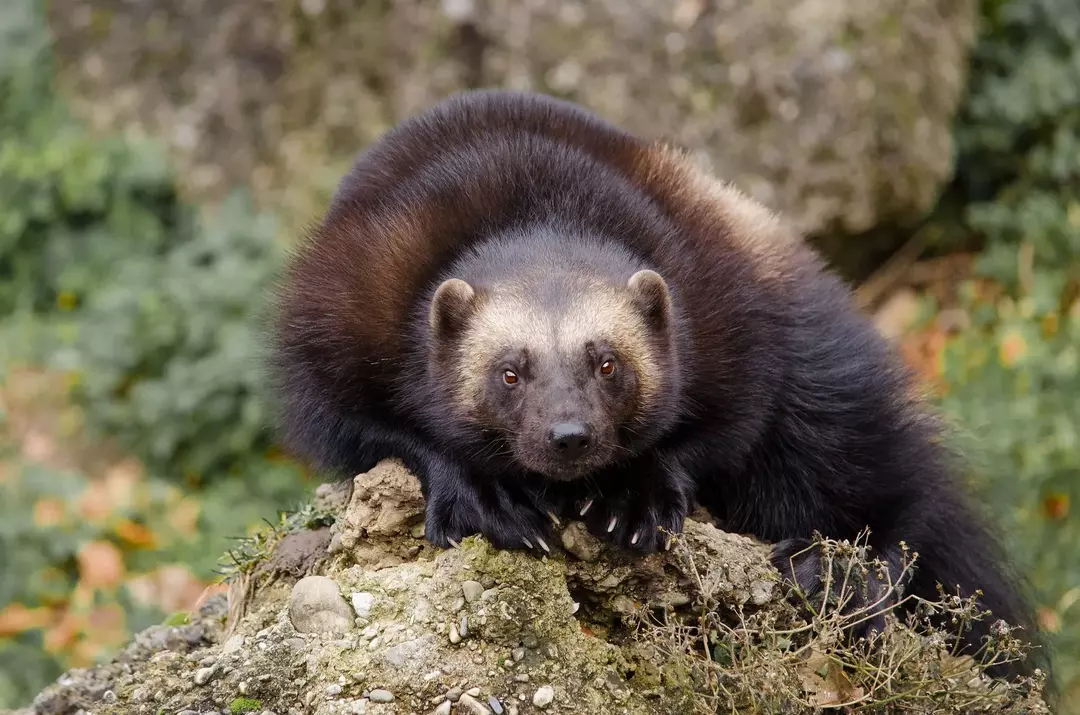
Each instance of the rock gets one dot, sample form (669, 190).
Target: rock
(204, 675)
(362, 603)
(838, 113)
(455, 636)
(443, 708)
(472, 706)
(385, 501)
(496, 706)
(578, 541)
(472, 590)
(406, 652)
(543, 696)
(463, 627)
(234, 644)
(317, 606)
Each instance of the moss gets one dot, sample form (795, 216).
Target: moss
(244, 705)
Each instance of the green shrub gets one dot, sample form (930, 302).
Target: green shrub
(149, 307)
(1013, 373)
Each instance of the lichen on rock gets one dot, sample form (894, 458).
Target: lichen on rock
(385, 623)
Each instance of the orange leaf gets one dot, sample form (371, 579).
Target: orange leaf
(1013, 348)
(135, 534)
(101, 565)
(17, 618)
(1056, 506)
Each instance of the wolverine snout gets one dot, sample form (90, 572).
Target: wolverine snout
(570, 440)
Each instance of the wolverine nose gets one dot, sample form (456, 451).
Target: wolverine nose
(570, 439)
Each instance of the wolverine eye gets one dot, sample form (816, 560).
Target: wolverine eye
(607, 368)
(510, 377)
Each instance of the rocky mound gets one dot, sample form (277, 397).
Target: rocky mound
(837, 114)
(363, 616)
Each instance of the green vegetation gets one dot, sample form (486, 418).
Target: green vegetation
(244, 705)
(1011, 371)
(143, 307)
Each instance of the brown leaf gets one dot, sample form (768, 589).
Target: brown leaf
(101, 565)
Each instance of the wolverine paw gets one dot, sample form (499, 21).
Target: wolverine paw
(642, 524)
(864, 604)
(508, 521)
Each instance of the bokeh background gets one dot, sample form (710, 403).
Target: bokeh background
(156, 158)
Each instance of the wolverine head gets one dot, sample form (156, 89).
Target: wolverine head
(559, 366)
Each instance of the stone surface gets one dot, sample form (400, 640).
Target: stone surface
(836, 113)
(403, 662)
(317, 606)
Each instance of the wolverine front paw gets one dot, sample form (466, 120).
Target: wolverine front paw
(508, 521)
(636, 523)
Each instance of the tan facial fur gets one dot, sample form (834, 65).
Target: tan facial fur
(507, 319)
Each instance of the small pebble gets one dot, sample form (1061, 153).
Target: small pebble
(463, 629)
(362, 602)
(455, 637)
(521, 678)
(518, 654)
(489, 594)
(381, 696)
(458, 604)
(108, 697)
(543, 696)
(475, 692)
(443, 709)
(204, 675)
(242, 687)
(234, 644)
(472, 590)
(472, 705)
(496, 706)
(333, 690)
(453, 694)
(530, 641)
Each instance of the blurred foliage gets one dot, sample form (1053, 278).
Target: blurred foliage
(1010, 369)
(145, 309)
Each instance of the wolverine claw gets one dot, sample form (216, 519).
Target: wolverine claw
(453, 543)
(611, 524)
(635, 537)
(527, 542)
(584, 509)
(543, 544)
(554, 519)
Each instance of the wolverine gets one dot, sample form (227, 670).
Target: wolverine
(545, 317)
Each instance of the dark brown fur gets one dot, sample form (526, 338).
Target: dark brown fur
(783, 410)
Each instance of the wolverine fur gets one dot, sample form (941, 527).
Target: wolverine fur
(752, 384)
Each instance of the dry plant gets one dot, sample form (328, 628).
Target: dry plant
(809, 654)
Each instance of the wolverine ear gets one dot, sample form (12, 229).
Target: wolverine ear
(451, 305)
(651, 295)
